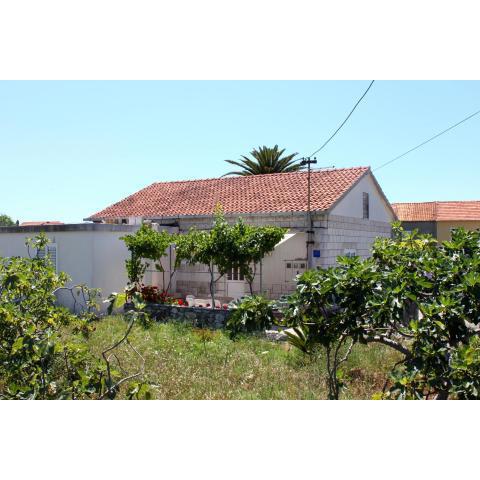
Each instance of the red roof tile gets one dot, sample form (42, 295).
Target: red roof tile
(280, 192)
(437, 211)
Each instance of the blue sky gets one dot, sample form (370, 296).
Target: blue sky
(69, 149)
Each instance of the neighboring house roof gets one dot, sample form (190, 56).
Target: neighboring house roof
(272, 193)
(437, 211)
(36, 224)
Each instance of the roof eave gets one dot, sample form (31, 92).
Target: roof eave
(209, 215)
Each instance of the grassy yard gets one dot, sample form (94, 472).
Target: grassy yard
(185, 363)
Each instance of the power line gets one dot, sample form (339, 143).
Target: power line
(345, 121)
(426, 141)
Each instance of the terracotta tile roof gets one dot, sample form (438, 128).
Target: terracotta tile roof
(437, 211)
(280, 192)
(36, 224)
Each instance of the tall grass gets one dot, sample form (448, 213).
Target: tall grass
(187, 363)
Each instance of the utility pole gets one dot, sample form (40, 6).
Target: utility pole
(308, 161)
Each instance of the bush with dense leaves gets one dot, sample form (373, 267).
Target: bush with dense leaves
(35, 361)
(414, 295)
(252, 313)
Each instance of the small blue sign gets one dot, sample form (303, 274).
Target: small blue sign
(316, 254)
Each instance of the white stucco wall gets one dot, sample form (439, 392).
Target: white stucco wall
(352, 204)
(95, 258)
(276, 278)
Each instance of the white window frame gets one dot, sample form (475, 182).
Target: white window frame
(235, 272)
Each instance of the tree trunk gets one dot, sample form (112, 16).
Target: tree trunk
(212, 285)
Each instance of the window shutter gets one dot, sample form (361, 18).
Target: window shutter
(51, 252)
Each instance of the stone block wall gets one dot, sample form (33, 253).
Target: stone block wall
(196, 317)
(296, 221)
(336, 235)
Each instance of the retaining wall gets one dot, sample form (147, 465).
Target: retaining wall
(197, 317)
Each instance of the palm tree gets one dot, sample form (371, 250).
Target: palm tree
(266, 160)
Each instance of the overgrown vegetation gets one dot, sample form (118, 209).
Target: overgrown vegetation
(415, 296)
(403, 324)
(188, 363)
(36, 360)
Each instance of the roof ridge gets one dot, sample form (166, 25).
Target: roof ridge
(236, 177)
(414, 203)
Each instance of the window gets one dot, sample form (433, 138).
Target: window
(235, 275)
(124, 221)
(350, 252)
(366, 205)
(51, 252)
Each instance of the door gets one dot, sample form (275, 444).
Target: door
(236, 285)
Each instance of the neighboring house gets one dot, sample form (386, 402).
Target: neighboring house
(439, 218)
(348, 211)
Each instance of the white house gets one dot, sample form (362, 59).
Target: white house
(348, 210)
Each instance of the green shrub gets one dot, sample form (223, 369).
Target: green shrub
(413, 295)
(253, 313)
(35, 362)
(145, 243)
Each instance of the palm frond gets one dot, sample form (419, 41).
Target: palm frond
(266, 160)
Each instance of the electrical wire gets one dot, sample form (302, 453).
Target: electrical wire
(345, 121)
(426, 141)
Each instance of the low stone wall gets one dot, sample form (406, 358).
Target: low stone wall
(197, 317)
